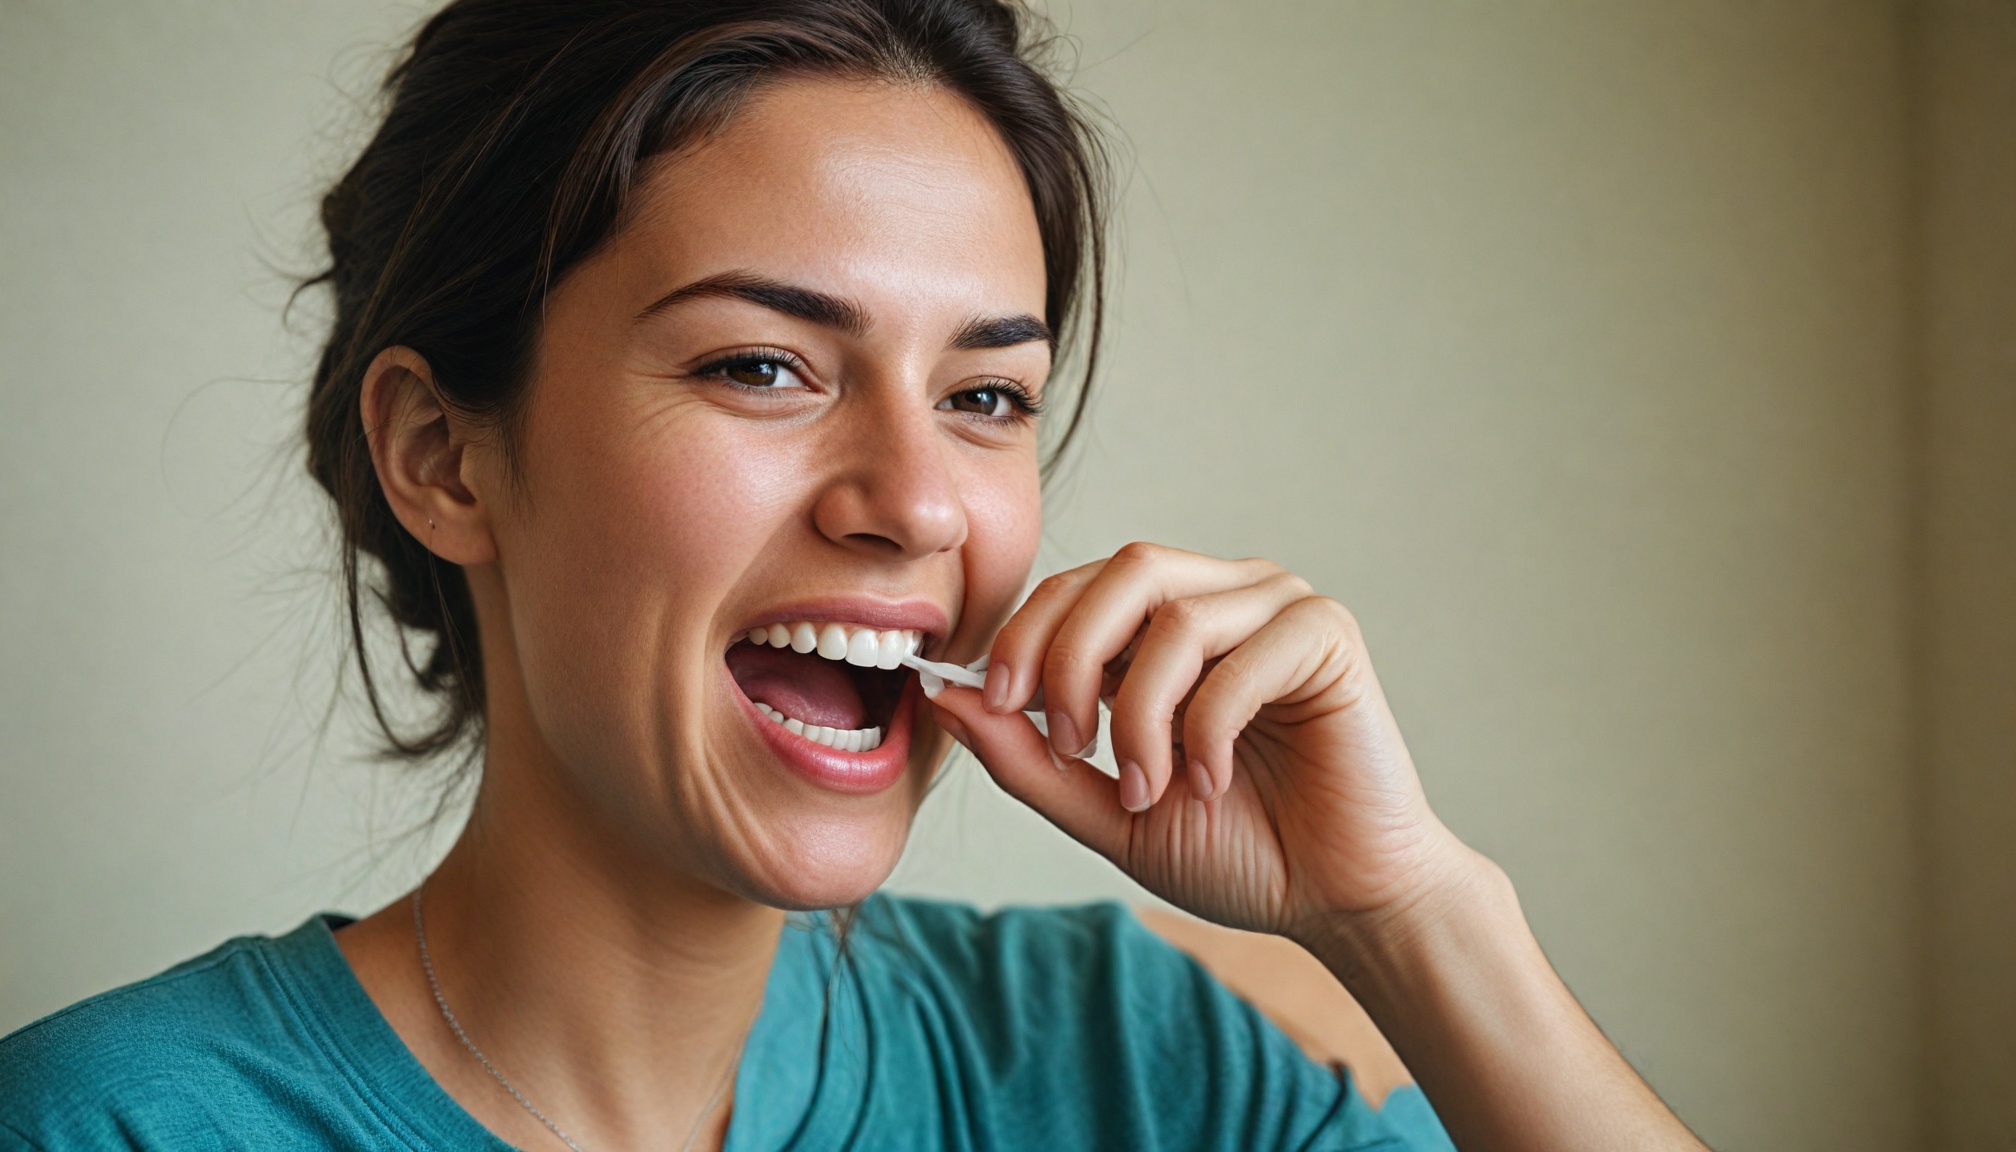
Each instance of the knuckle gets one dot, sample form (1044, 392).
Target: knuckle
(1011, 645)
(1263, 568)
(1290, 584)
(1016, 629)
(1139, 554)
(1054, 586)
(1068, 662)
(1324, 610)
(1142, 712)
(1181, 617)
(1204, 722)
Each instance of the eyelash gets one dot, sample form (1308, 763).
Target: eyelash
(1026, 406)
(749, 358)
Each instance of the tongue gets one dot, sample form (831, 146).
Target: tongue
(803, 686)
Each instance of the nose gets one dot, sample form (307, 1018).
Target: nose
(895, 495)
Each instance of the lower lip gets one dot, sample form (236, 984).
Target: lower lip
(857, 773)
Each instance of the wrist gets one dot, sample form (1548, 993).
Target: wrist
(1452, 976)
(1465, 904)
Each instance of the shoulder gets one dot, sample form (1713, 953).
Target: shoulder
(1104, 1029)
(134, 1034)
(1295, 991)
(1084, 977)
(154, 1063)
(962, 942)
(1026, 962)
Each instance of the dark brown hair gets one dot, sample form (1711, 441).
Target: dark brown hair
(513, 137)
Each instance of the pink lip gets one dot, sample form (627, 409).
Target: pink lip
(858, 773)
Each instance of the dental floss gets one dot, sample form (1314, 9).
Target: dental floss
(973, 677)
(932, 676)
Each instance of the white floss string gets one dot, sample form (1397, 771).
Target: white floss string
(933, 676)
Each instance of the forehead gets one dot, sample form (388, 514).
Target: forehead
(902, 196)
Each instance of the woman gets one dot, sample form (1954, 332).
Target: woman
(685, 379)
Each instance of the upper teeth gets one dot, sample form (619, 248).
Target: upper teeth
(863, 647)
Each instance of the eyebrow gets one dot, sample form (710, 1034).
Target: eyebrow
(1003, 332)
(838, 312)
(790, 299)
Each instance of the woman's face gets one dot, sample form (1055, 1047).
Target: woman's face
(788, 397)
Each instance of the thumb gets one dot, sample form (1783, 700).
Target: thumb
(1078, 798)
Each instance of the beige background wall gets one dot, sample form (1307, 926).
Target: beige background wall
(1967, 53)
(1573, 345)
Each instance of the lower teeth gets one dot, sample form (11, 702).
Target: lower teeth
(841, 739)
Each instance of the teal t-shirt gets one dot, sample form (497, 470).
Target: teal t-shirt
(942, 1028)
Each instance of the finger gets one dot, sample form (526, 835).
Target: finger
(1080, 800)
(1015, 663)
(1182, 636)
(1139, 579)
(1310, 647)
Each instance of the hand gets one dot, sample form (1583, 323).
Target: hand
(1264, 784)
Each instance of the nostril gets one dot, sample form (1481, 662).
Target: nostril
(890, 512)
(870, 542)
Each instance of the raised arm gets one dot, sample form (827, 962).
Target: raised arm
(1265, 786)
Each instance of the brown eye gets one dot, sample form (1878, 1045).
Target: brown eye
(980, 402)
(753, 373)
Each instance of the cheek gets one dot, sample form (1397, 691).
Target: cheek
(702, 503)
(668, 514)
(622, 562)
(1004, 515)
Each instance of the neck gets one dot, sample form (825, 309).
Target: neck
(593, 966)
(614, 982)
(611, 986)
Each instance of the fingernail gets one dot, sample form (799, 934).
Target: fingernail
(1062, 764)
(995, 692)
(1133, 787)
(931, 685)
(1200, 780)
(1063, 733)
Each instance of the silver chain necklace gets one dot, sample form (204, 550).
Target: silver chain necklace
(455, 1026)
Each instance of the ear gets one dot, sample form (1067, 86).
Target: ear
(426, 459)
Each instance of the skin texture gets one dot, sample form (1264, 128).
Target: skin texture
(655, 516)
(606, 922)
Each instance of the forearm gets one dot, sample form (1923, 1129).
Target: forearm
(1507, 1056)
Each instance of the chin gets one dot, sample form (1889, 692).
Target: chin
(833, 746)
(824, 861)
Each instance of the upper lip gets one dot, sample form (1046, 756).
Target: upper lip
(867, 612)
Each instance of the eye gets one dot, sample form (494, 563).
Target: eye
(1001, 401)
(759, 371)
(754, 373)
(980, 401)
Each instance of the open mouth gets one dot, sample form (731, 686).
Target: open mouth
(834, 684)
